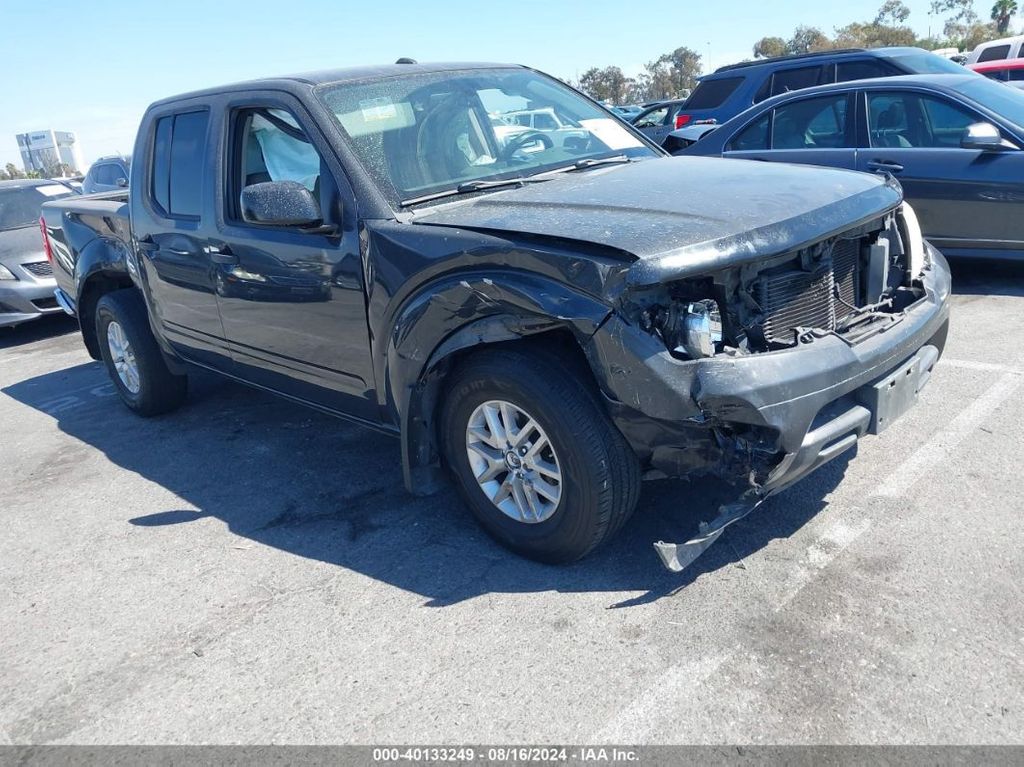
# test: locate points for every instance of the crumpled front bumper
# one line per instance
(805, 405)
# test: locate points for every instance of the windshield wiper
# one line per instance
(467, 187)
(588, 162)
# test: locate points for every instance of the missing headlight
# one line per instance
(692, 328)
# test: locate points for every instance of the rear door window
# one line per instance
(818, 123)
(178, 152)
(710, 94)
(862, 69)
(795, 79)
(161, 188)
(994, 53)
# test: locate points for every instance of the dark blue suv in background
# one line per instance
(730, 90)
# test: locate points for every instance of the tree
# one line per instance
(872, 35)
(887, 28)
(1002, 13)
(807, 40)
(892, 13)
(607, 84)
(961, 11)
(768, 47)
(13, 172)
(670, 74)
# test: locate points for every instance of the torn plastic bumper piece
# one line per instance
(678, 556)
(835, 429)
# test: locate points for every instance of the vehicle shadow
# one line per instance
(977, 277)
(292, 478)
(50, 326)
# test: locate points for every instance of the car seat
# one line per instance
(892, 124)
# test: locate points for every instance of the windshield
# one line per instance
(21, 206)
(426, 133)
(925, 63)
(996, 97)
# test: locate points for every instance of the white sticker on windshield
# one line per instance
(375, 110)
(52, 190)
(611, 133)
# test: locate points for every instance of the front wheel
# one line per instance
(536, 458)
(133, 359)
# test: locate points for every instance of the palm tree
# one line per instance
(1002, 13)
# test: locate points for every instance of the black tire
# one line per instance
(600, 472)
(159, 390)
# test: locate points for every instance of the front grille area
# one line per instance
(45, 303)
(39, 268)
(810, 299)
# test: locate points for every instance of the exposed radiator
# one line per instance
(815, 299)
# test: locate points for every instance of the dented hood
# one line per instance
(681, 216)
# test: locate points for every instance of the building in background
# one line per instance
(50, 152)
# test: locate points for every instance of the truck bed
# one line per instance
(75, 224)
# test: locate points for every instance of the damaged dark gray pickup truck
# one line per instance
(551, 315)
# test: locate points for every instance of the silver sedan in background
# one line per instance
(26, 275)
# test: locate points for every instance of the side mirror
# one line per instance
(122, 182)
(982, 136)
(280, 203)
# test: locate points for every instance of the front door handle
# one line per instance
(222, 255)
(885, 165)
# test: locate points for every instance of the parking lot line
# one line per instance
(946, 440)
(991, 367)
(636, 721)
(641, 717)
(680, 682)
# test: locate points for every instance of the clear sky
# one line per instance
(92, 66)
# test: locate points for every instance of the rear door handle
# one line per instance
(148, 245)
(885, 165)
(222, 255)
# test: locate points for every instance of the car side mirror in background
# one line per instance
(122, 182)
(985, 137)
(280, 203)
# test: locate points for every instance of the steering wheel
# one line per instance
(518, 142)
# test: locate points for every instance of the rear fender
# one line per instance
(100, 267)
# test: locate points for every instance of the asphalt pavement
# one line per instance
(248, 571)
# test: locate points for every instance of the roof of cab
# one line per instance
(349, 74)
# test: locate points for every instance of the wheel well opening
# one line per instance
(422, 456)
(94, 289)
(559, 344)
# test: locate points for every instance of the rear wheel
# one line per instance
(536, 458)
(132, 356)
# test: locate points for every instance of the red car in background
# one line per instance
(1009, 71)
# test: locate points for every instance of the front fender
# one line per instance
(452, 314)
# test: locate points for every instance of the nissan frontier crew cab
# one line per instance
(547, 321)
